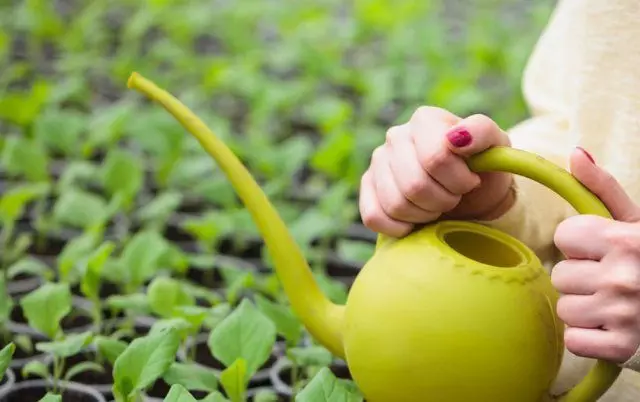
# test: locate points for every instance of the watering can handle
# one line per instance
(523, 163)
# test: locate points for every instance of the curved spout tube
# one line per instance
(321, 317)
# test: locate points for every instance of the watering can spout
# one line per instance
(321, 317)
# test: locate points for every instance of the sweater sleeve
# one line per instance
(582, 88)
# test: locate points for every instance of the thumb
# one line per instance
(604, 186)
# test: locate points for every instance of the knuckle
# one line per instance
(566, 231)
(377, 154)
(414, 188)
(437, 160)
(425, 112)
(621, 348)
(563, 309)
(624, 314)
(483, 120)
(624, 280)
(557, 275)
(391, 135)
(396, 208)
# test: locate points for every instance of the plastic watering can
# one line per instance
(454, 312)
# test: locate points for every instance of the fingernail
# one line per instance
(587, 154)
(459, 137)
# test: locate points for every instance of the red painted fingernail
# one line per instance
(587, 154)
(459, 137)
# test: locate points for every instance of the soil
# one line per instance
(210, 278)
(106, 289)
(35, 394)
(90, 377)
(160, 389)
(203, 356)
(339, 370)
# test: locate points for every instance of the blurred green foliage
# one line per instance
(320, 79)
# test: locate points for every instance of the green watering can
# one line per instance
(454, 312)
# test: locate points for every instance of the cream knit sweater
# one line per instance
(582, 84)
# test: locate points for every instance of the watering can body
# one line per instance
(454, 312)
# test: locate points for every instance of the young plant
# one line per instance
(143, 362)
(243, 342)
(13, 245)
(325, 387)
(6, 354)
(141, 259)
(44, 309)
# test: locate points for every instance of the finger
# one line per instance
(411, 179)
(621, 281)
(373, 217)
(446, 168)
(624, 235)
(583, 237)
(577, 277)
(581, 311)
(475, 134)
(393, 202)
(604, 186)
(600, 344)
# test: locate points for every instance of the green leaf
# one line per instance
(92, 275)
(178, 393)
(122, 172)
(6, 354)
(234, 380)
(160, 208)
(83, 367)
(109, 348)
(265, 395)
(25, 157)
(245, 334)
(30, 266)
(192, 376)
(165, 294)
(194, 315)
(22, 107)
(287, 323)
(214, 397)
(179, 324)
(310, 356)
(79, 209)
(73, 254)
(144, 361)
(136, 303)
(325, 387)
(46, 306)
(69, 346)
(14, 201)
(51, 397)
(142, 254)
(76, 174)
(216, 315)
(35, 367)
(60, 130)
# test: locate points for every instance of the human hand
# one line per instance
(600, 279)
(419, 173)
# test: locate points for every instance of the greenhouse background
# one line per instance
(124, 247)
